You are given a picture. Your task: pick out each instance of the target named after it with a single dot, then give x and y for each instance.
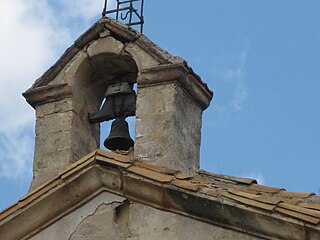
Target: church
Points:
(148, 188)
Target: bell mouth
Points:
(118, 143)
(119, 137)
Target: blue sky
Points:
(261, 58)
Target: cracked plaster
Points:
(77, 225)
(110, 217)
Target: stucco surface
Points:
(94, 220)
(109, 216)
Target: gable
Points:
(108, 216)
(108, 37)
(233, 203)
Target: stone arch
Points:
(90, 83)
(63, 104)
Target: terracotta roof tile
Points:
(200, 180)
(37, 194)
(77, 168)
(38, 189)
(183, 176)
(249, 202)
(291, 201)
(115, 156)
(112, 162)
(296, 194)
(156, 168)
(241, 193)
(80, 161)
(315, 206)
(247, 190)
(247, 181)
(297, 215)
(209, 191)
(270, 199)
(266, 189)
(6, 212)
(28, 198)
(223, 180)
(151, 174)
(186, 185)
(299, 209)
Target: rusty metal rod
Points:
(127, 14)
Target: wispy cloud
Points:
(33, 33)
(15, 155)
(236, 74)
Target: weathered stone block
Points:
(168, 126)
(142, 59)
(52, 123)
(59, 106)
(112, 179)
(47, 165)
(103, 45)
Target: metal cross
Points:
(129, 12)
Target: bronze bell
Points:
(119, 137)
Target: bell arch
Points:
(92, 78)
(63, 130)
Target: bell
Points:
(119, 137)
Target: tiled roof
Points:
(304, 206)
(243, 193)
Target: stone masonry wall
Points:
(168, 128)
(53, 138)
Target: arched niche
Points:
(90, 83)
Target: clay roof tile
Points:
(163, 178)
(266, 189)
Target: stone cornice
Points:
(41, 95)
(179, 72)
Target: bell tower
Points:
(92, 82)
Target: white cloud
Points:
(14, 153)
(26, 46)
(236, 75)
(26, 49)
(83, 9)
(32, 35)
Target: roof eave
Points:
(96, 173)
